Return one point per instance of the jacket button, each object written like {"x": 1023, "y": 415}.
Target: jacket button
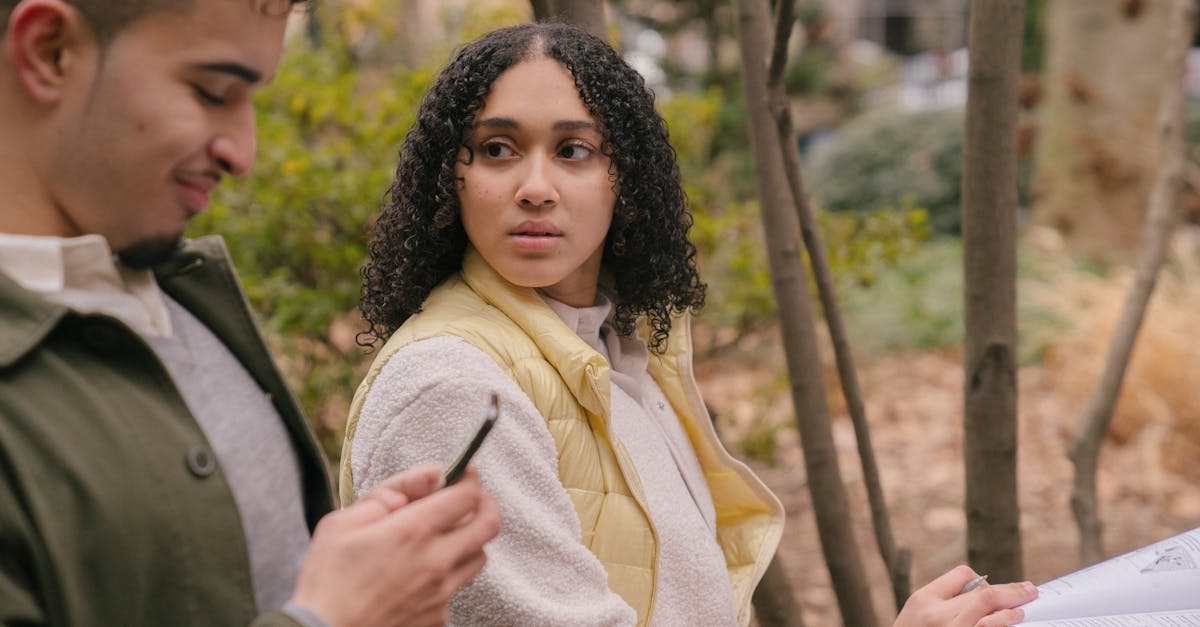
{"x": 200, "y": 461}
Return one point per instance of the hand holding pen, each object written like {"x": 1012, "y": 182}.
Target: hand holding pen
{"x": 972, "y": 584}
{"x": 963, "y": 598}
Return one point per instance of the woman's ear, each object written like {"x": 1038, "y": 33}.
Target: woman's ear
{"x": 43, "y": 43}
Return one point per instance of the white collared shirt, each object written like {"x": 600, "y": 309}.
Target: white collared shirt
{"x": 82, "y": 273}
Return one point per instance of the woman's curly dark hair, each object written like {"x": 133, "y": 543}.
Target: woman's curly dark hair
{"x": 419, "y": 237}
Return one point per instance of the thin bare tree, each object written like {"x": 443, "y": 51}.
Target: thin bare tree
{"x": 897, "y": 560}
{"x": 788, "y": 277}
{"x": 989, "y": 209}
{"x": 1160, "y": 217}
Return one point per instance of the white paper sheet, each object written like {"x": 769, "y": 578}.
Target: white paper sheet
{"x": 1161, "y": 577}
{"x": 1155, "y": 619}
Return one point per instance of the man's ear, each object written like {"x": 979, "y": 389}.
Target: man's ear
{"x": 43, "y": 42}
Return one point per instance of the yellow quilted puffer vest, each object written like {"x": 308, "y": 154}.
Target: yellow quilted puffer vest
{"x": 568, "y": 382}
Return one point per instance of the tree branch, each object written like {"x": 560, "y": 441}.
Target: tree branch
{"x": 896, "y": 561}
{"x": 788, "y": 278}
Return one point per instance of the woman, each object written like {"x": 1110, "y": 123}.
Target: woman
{"x": 534, "y": 245}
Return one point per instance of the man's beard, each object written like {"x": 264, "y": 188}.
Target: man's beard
{"x": 149, "y": 252}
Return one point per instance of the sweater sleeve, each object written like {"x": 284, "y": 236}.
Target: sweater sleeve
{"x": 424, "y": 406}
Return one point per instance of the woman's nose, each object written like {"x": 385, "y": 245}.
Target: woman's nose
{"x": 537, "y": 188}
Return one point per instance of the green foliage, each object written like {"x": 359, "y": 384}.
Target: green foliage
{"x": 888, "y": 158}
{"x": 808, "y": 73}
{"x": 917, "y": 303}
{"x": 473, "y": 20}
{"x": 859, "y": 246}
{"x": 694, "y": 123}
{"x": 1033, "y": 42}
{"x": 883, "y": 159}
{"x": 733, "y": 262}
{"x": 728, "y": 231}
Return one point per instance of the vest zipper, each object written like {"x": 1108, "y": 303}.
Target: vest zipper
{"x": 625, "y": 462}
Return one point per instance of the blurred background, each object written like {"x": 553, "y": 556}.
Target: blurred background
{"x": 877, "y": 90}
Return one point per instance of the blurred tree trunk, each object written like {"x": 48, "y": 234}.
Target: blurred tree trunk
{"x": 788, "y": 277}
{"x": 1096, "y": 141}
{"x": 542, "y": 9}
{"x": 586, "y": 14}
{"x": 990, "y": 288}
{"x": 1164, "y": 203}
{"x": 774, "y": 603}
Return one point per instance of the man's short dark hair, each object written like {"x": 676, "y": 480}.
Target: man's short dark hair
{"x": 109, "y": 17}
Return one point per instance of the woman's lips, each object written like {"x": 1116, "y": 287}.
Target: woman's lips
{"x": 536, "y": 235}
{"x": 535, "y": 242}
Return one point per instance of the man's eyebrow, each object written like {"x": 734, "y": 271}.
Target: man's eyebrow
{"x": 248, "y": 74}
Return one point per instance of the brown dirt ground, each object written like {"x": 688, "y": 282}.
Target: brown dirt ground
{"x": 1148, "y": 471}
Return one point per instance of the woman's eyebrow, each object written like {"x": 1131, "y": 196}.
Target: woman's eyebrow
{"x": 561, "y": 125}
{"x": 497, "y": 123}
{"x": 574, "y": 125}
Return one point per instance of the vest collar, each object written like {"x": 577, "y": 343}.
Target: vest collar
{"x": 581, "y": 367}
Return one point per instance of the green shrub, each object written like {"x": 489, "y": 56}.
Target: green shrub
{"x": 859, "y": 246}
{"x": 885, "y": 159}
{"x": 917, "y": 303}
{"x": 808, "y": 73}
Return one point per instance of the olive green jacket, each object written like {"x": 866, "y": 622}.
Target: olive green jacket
{"x": 112, "y": 508}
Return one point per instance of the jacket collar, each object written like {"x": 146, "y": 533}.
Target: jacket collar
{"x": 581, "y": 367}
{"x": 25, "y": 320}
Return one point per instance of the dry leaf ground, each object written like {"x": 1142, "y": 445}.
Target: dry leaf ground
{"x": 1149, "y": 467}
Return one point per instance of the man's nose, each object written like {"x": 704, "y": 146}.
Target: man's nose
{"x": 234, "y": 147}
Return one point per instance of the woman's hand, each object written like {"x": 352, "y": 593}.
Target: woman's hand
{"x": 938, "y": 603}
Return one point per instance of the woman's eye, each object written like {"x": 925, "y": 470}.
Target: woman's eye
{"x": 574, "y": 152}
{"x": 496, "y": 150}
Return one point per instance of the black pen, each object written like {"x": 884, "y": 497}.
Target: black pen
{"x": 455, "y": 471}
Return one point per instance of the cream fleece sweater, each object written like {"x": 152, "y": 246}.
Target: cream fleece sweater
{"x": 427, "y": 402}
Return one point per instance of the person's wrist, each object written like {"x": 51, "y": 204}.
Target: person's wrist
{"x": 304, "y": 614}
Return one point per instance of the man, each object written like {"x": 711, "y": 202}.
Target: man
{"x": 154, "y": 469}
